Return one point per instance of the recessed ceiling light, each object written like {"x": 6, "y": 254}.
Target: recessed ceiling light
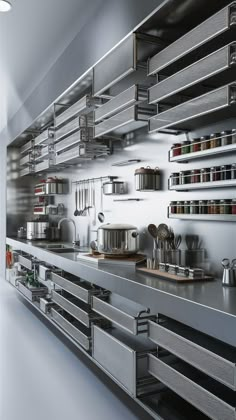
{"x": 5, "y": 6}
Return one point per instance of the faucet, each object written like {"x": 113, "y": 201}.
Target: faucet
{"x": 74, "y": 242}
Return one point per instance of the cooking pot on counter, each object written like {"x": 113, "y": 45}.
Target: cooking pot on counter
{"x": 37, "y": 230}
{"x": 118, "y": 239}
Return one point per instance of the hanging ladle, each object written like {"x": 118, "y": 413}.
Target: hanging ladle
{"x": 101, "y": 216}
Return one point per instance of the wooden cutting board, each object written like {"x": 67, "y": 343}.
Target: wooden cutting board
{"x": 173, "y": 277}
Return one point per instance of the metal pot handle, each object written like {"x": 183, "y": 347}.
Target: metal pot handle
{"x": 135, "y": 234}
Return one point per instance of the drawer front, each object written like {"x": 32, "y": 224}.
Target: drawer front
{"x": 115, "y": 315}
{"x": 73, "y": 288}
{"x": 116, "y": 358}
{"x": 72, "y": 111}
{"x": 67, "y": 129}
{"x": 26, "y": 262}
{"x": 116, "y": 65}
{"x": 128, "y": 97}
{"x": 78, "y": 313}
{"x": 203, "y": 359}
{"x": 201, "y": 70}
{"x": 70, "y": 329}
{"x": 201, "y": 105}
{"x": 118, "y": 120}
{"x": 206, "y": 402}
{"x": 198, "y": 36}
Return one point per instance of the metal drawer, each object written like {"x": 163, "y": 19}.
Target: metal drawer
{"x": 82, "y": 106}
{"x": 130, "y": 96}
{"x": 67, "y": 129}
{"x": 41, "y": 138}
{"x": 118, "y": 354}
{"x": 77, "y": 288}
{"x": 215, "y": 359}
{"x": 77, "y": 331}
{"x": 42, "y": 166}
{"x": 131, "y": 323}
{"x": 197, "y": 395}
{"x": 188, "y": 114}
{"x": 205, "y": 68}
{"x": 78, "y": 310}
{"x": 26, "y": 160}
{"x": 201, "y": 34}
{"x": 26, "y": 261}
{"x": 68, "y": 141}
{"x": 125, "y": 121}
{"x": 32, "y": 294}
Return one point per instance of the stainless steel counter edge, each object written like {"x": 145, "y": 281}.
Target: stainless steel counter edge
{"x": 205, "y": 306}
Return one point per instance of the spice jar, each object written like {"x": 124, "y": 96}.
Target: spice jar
{"x": 215, "y": 140}
{"x": 205, "y": 143}
{"x": 233, "y": 171}
{"x": 205, "y": 175}
{"x": 173, "y": 209}
{"x": 186, "y": 207}
{"x": 175, "y": 150}
{"x": 233, "y": 206}
{"x": 194, "y": 207}
{"x": 185, "y": 147}
{"x": 203, "y": 207}
{"x": 215, "y": 207}
{"x": 225, "y": 172}
{"x": 226, "y": 138}
{"x": 225, "y": 207}
{"x": 195, "y": 146}
{"x": 215, "y": 173}
{"x": 174, "y": 179}
{"x": 233, "y": 136}
{"x": 180, "y": 207}
{"x": 209, "y": 209}
{"x": 184, "y": 177}
{"x": 195, "y": 176}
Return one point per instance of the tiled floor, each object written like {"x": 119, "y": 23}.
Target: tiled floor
{"x": 42, "y": 378}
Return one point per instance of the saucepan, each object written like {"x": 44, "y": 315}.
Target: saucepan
{"x": 118, "y": 239}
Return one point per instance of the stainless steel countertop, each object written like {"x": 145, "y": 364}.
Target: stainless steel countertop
{"x": 206, "y": 306}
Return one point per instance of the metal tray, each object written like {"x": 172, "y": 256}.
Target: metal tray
{"x": 213, "y": 65}
{"x": 77, "y": 331}
{"x": 219, "y": 103}
{"x": 201, "y": 34}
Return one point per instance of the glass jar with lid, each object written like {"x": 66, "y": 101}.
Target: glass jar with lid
{"x": 205, "y": 175}
{"x": 215, "y": 173}
{"x": 233, "y": 206}
{"x": 233, "y": 136}
{"x": 195, "y": 176}
{"x": 173, "y": 207}
{"x": 185, "y": 146}
{"x": 195, "y": 145}
{"x": 174, "y": 179}
{"x": 225, "y": 207}
{"x": 203, "y": 207}
{"x": 180, "y": 207}
{"x": 233, "y": 171}
{"x": 225, "y": 172}
{"x": 186, "y": 207}
{"x": 215, "y": 140}
{"x": 175, "y": 150}
{"x": 205, "y": 142}
{"x": 226, "y": 138}
{"x": 194, "y": 207}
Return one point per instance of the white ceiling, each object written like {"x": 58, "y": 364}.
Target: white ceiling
{"x": 33, "y": 35}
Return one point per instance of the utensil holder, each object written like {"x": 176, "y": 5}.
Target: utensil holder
{"x": 173, "y": 256}
{"x": 194, "y": 257}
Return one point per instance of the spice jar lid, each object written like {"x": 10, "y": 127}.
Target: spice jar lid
{"x": 146, "y": 170}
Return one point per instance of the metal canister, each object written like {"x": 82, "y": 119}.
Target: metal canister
{"x": 225, "y": 172}
{"x": 203, "y": 207}
{"x": 226, "y": 138}
{"x": 147, "y": 179}
{"x": 233, "y": 171}
{"x": 194, "y": 207}
{"x": 205, "y": 142}
{"x": 225, "y": 207}
{"x": 205, "y": 175}
{"x": 185, "y": 146}
{"x": 195, "y": 176}
{"x": 215, "y": 140}
{"x": 174, "y": 179}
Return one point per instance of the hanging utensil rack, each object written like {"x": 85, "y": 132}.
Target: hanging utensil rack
{"x": 101, "y": 178}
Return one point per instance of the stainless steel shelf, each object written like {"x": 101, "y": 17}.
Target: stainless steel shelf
{"x": 203, "y": 153}
{"x": 26, "y": 160}
{"x": 217, "y": 104}
{"x": 42, "y": 166}
{"x": 202, "y": 185}
{"x": 214, "y": 64}
{"x": 125, "y": 121}
{"x": 74, "y": 139}
{"x": 41, "y": 138}
{"x": 82, "y": 106}
{"x": 125, "y": 99}
{"x": 26, "y": 147}
{"x": 214, "y": 26}
{"x": 210, "y": 217}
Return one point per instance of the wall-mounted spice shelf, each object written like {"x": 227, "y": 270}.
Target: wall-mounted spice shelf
{"x": 184, "y": 158}
{"x": 202, "y": 185}
{"x": 203, "y": 217}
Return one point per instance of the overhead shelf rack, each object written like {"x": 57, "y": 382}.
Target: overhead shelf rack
{"x": 205, "y": 109}
{"x": 83, "y": 106}
{"x": 229, "y": 148}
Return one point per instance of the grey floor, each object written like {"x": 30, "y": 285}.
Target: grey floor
{"x": 44, "y": 378}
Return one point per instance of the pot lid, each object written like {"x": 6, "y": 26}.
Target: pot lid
{"x": 146, "y": 170}
{"x": 117, "y": 226}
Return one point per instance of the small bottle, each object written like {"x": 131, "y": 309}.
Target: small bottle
{"x": 226, "y": 138}
{"x": 205, "y": 175}
{"x": 173, "y": 207}
{"x": 233, "y": 206}
{"x": 185, "y": 147}
{"x": 233, "y": 171}
{"x": 194, "y": 208}
{"x": 215, "y": 140}
{"x": 205, "y": 143}
{"x": 174, "y": 179}
{"x": 186, "y": 207}
{"x": 176, "y": 150}
{"x": 203, "y": 207}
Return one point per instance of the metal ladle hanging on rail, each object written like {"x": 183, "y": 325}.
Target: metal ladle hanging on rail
{"x": 101, "y": 216}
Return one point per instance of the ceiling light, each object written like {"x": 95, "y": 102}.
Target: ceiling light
{"x": 5, "y": 6}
